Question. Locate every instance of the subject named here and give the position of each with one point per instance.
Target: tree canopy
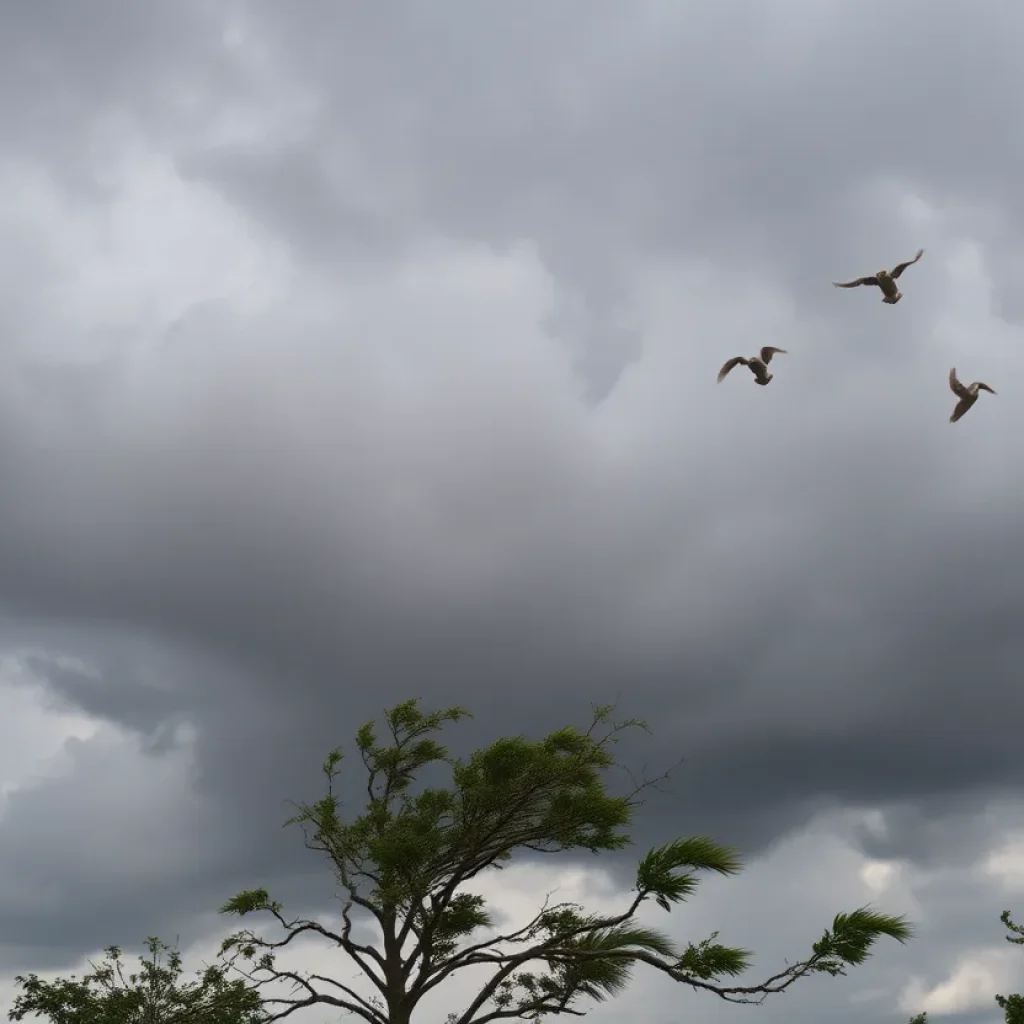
(152, 995)
(406, 865)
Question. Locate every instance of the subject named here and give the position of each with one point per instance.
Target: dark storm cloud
(389, 482)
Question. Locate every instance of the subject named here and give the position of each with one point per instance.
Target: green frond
(1018, 930)
(248, 902)
(667, 872)
(627, 937)
(404, 716)
(867, 925)
(1012, 1007)
(580, 968)
(852, 935)
(699, 853)
(709, 960)
(366, 737)
(464, 914)
(597, 979)
(604, 979)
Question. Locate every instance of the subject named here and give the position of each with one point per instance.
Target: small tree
(151, 996)
(1012, 1006)
(405, 863)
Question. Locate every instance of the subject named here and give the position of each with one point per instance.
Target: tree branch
(297, 927)
(355, 1004)
(730, 993)
(493, 843)
(476, 954)
(537, 1007)
(486, 992)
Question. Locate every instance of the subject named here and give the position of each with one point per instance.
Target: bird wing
(853, 284)
(961, 407)
(900, 267)
(731, 364)
(956, 387)
(768, 351)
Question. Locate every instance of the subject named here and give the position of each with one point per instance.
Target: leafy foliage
(150, 996)
(404, 866)
(1012, 1006)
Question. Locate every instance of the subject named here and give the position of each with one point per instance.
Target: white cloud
(970, 985)
(879, 876)
(33, 732)
(1006, 864)
(163, 246)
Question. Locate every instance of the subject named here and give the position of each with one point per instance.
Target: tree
(405, 864)
(1012, 1006)
(151, 996)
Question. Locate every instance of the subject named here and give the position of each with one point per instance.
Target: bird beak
(991, 391)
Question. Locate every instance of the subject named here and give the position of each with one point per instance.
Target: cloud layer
(349, 357)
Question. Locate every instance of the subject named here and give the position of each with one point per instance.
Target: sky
(357, 352)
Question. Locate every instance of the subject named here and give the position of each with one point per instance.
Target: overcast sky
(359, 351)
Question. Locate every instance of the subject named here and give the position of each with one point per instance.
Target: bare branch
(355, 1004)
(486, 992)
(354, 949)
(535, 1008)
(344, 873)
(297, 928)
(357, 950)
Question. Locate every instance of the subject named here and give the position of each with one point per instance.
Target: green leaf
(851, 937)
(248, 902)
(667, 873)
(709, 960)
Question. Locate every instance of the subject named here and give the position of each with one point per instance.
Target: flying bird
(758, 365)
(884, 279)
(968, 395)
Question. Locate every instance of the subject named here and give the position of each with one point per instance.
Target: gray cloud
(408, 330)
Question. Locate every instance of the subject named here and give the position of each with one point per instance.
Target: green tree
(404, 866)
(153, 995)
(1012, 1006)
